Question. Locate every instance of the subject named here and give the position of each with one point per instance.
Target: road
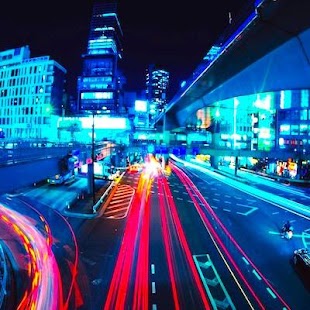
(190, 240)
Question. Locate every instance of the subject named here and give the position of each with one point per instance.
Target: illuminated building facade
(262, 121)
(79, 128)
(157, 83)
(100, 85)
(31, 94)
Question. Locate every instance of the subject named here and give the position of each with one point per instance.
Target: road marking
(274, 232)
(152, 268)
(154, 307)
(271, 293)
(245, 260)
(242, 205)
(252, 209)
(227, 210)
(256, 274)
(153, 288)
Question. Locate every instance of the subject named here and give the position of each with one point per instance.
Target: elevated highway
(24, 166)
(268, 50)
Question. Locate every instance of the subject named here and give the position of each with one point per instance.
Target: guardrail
(97, 205)
(3, 276)
(20, 155)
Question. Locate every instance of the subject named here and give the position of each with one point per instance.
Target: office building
(31, 94)
(100, 84)
(157, 82)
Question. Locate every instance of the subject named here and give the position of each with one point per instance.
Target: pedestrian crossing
(120, 202)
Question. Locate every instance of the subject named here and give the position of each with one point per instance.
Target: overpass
(268, 50)
(23, 166)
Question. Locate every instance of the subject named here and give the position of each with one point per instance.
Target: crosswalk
(119, 204)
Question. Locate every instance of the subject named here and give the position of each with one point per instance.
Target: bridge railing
(20, 155)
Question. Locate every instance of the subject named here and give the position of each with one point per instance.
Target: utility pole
(90, 170)
(93, 159)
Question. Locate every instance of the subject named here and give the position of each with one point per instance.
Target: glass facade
(262, 121)
(31, 92)
(157, 83)
(99, 85)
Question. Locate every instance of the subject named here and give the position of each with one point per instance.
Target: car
(301, 262)
(58, 179)
(134, 168)
(301, 258)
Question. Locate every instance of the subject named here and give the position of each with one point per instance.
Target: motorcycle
(287, 232)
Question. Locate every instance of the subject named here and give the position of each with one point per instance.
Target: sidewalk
(83, 204)
(86, 205)
(296, 182)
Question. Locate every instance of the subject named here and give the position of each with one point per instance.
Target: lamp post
(90, 173)
(93, 158)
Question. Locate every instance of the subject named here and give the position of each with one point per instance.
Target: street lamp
(90, 165)
(93, 159)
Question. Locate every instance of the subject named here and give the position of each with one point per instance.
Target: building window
(303, 115)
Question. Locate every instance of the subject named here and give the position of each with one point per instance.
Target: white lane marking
(256, 274)
(245, 260)
(154, 307)
(271, 293)
(153, 288)
(252, 209)
(152, 268)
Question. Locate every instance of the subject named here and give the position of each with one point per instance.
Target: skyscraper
(99, 87)
(157, 82)
(31, 95)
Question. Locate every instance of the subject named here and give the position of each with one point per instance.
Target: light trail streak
(135, 240)
(167, 244)
(44, 275)
(193, 191)
(73, 267)
(141, 290)
(184, 244)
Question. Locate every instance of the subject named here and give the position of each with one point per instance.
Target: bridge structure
(21, 166)
(264, 54)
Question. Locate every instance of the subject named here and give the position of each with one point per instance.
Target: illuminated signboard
(100, 122)
(140, 106)
(97, 95)
(104, 122)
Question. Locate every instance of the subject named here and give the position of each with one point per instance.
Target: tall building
(31, 94)
(100, 85)
(157, 82)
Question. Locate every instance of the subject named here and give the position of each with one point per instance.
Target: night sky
(173, 35)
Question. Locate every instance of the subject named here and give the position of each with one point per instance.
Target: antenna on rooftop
(229, 18)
